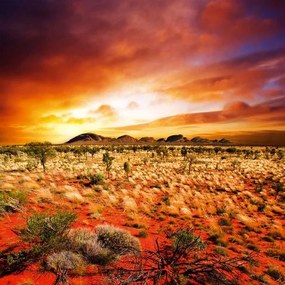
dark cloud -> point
(60, 54)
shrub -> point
(97, 179)
(221, 251)
(275, 274)
(179, 260)
(78, 237)
(108, 160)
(224, 222)
(188, 239)
(12, 201)
(104, 245)
(44, 234)
(97, 254)
(252, 246)
(62, 263)
(127, 168)
(142, 234)
(86, 242)
(117, 240)
(280, 255)
(47, 232)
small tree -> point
(40, 151)
(108, 160)
(127, 169)
(279, 187)
(191, 160)
(280, 154)
(184, 152)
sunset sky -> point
(214, 68)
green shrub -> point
(224, 222)
(142, 234)
(40, 151)
(12, 201)
(47, 232)
(97, 179)
(221, 250)
(187, 238)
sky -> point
(213, 68)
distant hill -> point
(176, 138)
(126, 139)
(199, 140)
(90, 138)
(147, 140)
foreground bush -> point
(47, 232)
(86, 242)
(43, 234)
(183, 259)
(62, 263)
(12, 202)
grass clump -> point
(12, 202)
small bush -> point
(78, 237)
(86, 242)
(62, 263)
(188, 239)
(280, 255)
(220, 211)
(12, 201)
(142, 234)
(117, 240)
(47, 232)
(275, 274)
(224, 222)
(276, 235)
(97, 254)
(252, 246)
(221, 251)
(97, 179)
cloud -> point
(80, 121)
(58, 56)
(133, 105)
(241, 77)
(271, 111)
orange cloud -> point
(80, 52)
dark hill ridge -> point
(90, 138)
(147, 140)
(176, 138)
(126, 139)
